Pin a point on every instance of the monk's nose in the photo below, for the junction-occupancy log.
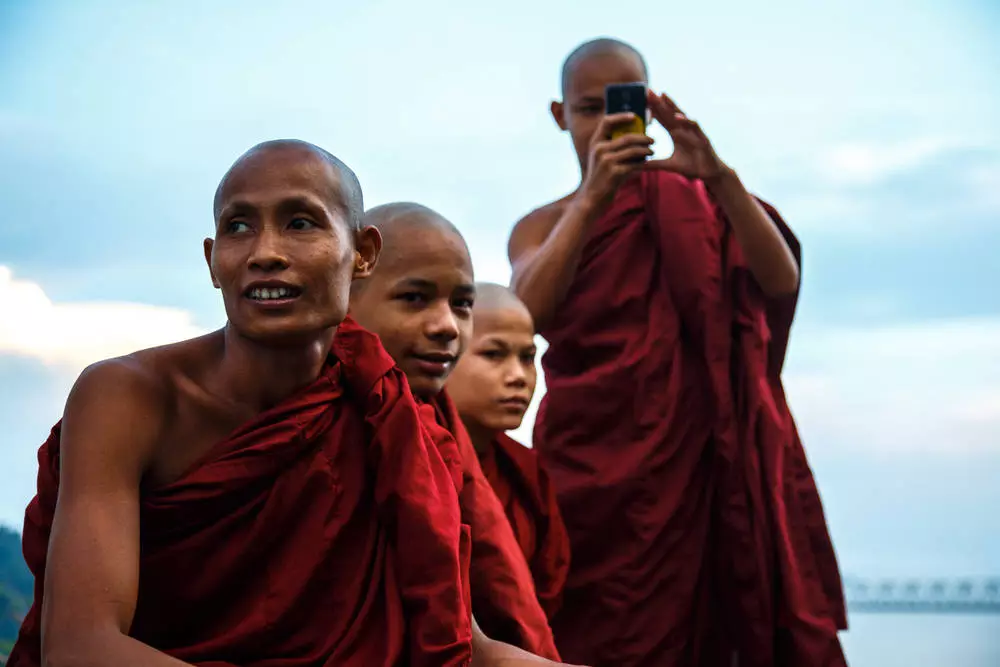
(516, 375)
(441, 321)
(267, 253)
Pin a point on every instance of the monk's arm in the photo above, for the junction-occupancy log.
(488, 652)
(544, 254)
(109, 429)
(767, 254)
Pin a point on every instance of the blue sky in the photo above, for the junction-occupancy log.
(872, 126)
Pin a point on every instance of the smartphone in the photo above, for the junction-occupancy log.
(622, 97)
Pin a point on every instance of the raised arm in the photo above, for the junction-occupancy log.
(545, 246)
(767, 254)
(111, 424)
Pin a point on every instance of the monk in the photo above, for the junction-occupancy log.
(666, 293)
(419, 301)
(491, 386)
(262, 495)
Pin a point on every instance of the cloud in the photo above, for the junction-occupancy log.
(932, 386)
(72, 335)
(914, 189)
(869, 163)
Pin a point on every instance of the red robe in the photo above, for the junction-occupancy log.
(326, 531)
(529, 500)
(695, 524)
(504, 600)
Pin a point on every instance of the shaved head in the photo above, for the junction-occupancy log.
(390, 219)
(598, 47)
(397, 223)
(351, 199)
(493, 297)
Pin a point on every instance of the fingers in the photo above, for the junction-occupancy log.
(631, 153)
(662, 100)
(631, 139)
(612, 121)
(627, 148)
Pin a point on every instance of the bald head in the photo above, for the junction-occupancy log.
(598, 47)
(491, 297)
(400, 222)
(350, 199)
(393, 219)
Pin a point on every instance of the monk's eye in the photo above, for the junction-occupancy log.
(589, 110)
(413, 298)
(528, 358)
(494, 355)
(464, 304)
(237, 227)
(301, 224)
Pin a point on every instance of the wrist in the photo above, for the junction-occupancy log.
(586, 205)
(724, 182)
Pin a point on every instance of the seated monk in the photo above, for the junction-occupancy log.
(264, 495)
(419, 301)
(666, 293)
(491, 386)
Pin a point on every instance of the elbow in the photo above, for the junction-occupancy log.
(784, 283)
(70, 649)
(540, 315)
(64, 657)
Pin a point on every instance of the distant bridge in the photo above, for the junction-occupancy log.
(980, 596)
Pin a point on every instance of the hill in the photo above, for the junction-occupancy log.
(16, 584)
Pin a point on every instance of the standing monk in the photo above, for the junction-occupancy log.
(264, 495)
(666, 293)
(492, 387)
(419, 301)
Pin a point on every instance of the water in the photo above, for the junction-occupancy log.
(923, 640)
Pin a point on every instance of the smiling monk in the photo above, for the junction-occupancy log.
(265, 495)
(419, 301)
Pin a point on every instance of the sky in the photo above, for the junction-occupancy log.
(872, 126)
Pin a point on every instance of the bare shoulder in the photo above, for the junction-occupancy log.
(531, 231)
(120, 407)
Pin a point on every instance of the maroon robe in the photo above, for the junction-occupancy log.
(529, 500)
(695, 524)
(504, 600)
(325, 531)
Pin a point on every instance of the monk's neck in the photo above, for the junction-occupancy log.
(260, 376)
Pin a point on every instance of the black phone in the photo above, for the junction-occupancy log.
(622, 97)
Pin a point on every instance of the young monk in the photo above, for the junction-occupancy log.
(666, 293)
(262, 495)
(491, 386)
(419, 301)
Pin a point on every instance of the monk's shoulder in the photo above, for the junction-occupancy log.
(534, 227)
(121, 383)
(141, 386)
(115, 412)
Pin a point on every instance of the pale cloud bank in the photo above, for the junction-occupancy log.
(70, 336)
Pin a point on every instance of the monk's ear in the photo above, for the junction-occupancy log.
(209, 244)
(367, 248)
(558, 110)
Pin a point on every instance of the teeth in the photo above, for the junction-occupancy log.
(265, 293)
